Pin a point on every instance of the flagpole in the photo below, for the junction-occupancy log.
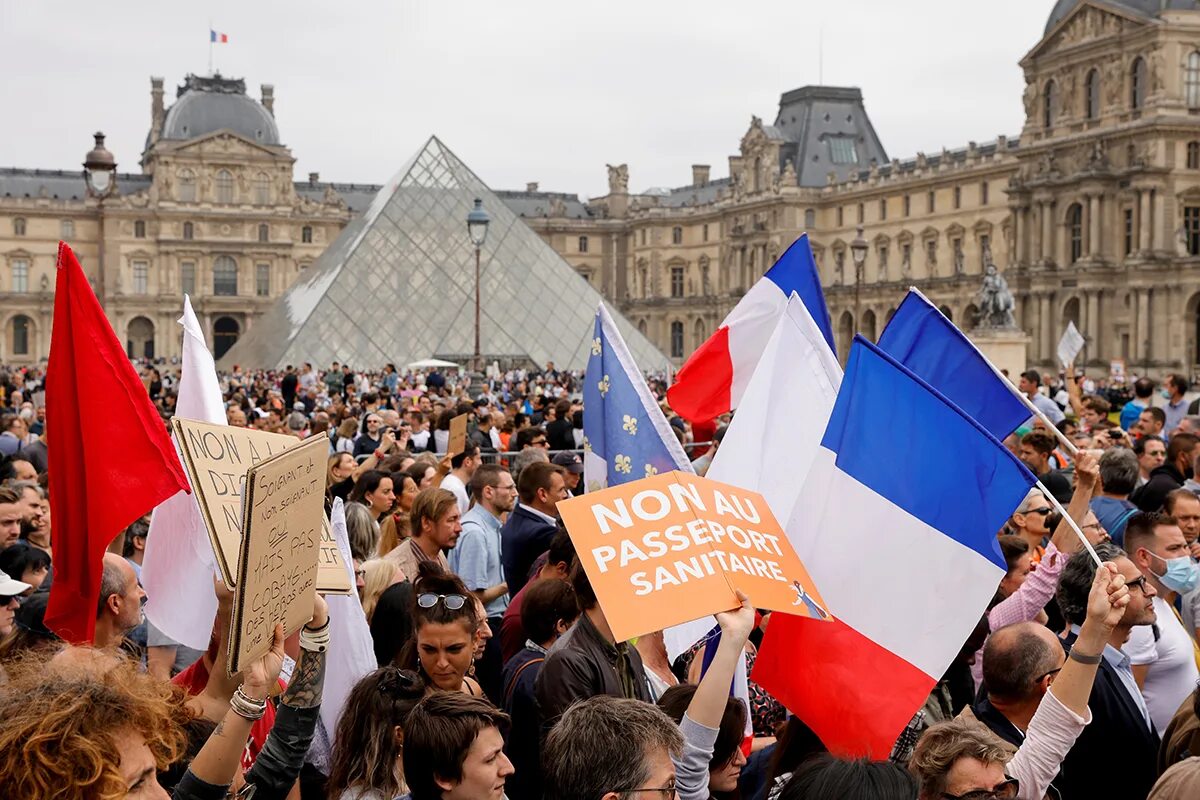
(1025, 401)
(1070, 521)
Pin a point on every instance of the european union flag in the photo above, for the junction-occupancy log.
(921, 338)
(625, 435)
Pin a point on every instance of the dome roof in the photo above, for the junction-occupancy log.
(1144, 8)
(205, 105)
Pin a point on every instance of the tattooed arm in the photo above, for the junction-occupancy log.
(218, 762)
(279, 763)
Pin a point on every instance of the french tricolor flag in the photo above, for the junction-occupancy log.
(897, 525)
(713, 380)
(219, 38)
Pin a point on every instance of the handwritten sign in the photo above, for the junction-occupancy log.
(217, 458)
(458, 435)
(675, 547)
(283, 516)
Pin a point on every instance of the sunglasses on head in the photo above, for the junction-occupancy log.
(452, 601)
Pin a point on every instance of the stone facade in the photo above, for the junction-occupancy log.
(1092, 212)
(216, 215)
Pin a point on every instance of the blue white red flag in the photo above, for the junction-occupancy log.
(921, 338)
(218, 38)
(902, 542)
(712, 381)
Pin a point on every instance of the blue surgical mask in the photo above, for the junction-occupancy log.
(1182, 574)
(1165, 394)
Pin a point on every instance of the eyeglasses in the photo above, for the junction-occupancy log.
(1043, 511)
(1038, 679)
(452, 601)
(665, 792)
(1140, 583)
(540, 443)
(1005, 791)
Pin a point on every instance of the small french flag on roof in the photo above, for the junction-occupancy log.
(219, 38)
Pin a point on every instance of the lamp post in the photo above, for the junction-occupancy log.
(858, 251)
(477, 228)
(100, 174)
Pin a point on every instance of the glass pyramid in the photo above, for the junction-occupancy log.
(398, 285)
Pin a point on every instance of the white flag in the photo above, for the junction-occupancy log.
(351, 651)
(179, 564)
(1070, 344)
(770, 445)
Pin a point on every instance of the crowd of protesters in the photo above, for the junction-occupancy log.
(498, 674)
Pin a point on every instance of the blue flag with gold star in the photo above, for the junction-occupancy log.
(625, 435)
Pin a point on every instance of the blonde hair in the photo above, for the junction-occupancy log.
(61, 724)
(947, 742)
(379, 574)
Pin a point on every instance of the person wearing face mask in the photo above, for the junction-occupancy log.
(1164, 666)
(1177, 468)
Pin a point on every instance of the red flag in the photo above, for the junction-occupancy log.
(110, 458)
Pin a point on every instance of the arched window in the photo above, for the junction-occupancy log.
(19, 226)
(583, 244)
(224, 186)
(1075, 231)
(189, 231)
(1049, 102)
(306, 234)
(187, 186)
(1137, 84)
(1091, 94)
(676, 340)
(139, 229)
(642, 327)
(698, 332)
(1193, 155)
(264, 232)
(226, 331)
(677, 235)
(1191, 79)
(262, 189)
(225, 277)
(22, 327)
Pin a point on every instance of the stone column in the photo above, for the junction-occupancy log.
(1141, 323)
(1049, 240)
(1093, 325)
(1094, 212)
(1157, 228)
(1143, 244)
(1016, 256)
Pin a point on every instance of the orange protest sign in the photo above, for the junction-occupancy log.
(676, 547)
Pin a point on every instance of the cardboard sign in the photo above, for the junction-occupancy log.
(216, 458)
(283, 516)
(674, 547)
(458, 435)
(1070, 345)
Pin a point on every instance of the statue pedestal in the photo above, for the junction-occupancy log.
(1006, 349)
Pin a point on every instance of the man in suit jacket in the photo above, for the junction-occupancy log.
(531, 526)
(1121, 729)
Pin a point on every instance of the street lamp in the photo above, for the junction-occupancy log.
(858, 251)
(100, 174)
(477, 228)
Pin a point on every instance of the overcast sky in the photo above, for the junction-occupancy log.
(521, 90)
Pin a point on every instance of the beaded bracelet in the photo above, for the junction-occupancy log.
(245, 706)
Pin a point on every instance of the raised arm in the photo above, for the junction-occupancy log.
(1087, 475)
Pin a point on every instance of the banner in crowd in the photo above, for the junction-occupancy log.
(675, 547)
(217, 458)
(283, 516)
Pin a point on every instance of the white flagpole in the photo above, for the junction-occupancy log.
(1037, 412)
(1075, 527)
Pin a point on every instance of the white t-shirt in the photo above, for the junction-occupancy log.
(1172, 676)
(455, 486)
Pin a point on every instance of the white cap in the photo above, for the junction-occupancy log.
(10, 587)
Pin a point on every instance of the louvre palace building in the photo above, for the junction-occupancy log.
(1091, 211)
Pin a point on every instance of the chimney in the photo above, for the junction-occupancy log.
(268, 98)
(156, 108)
(314, 178)
(700, 174)
(532, 186)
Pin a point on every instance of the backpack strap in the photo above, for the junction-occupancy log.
(512, 682)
